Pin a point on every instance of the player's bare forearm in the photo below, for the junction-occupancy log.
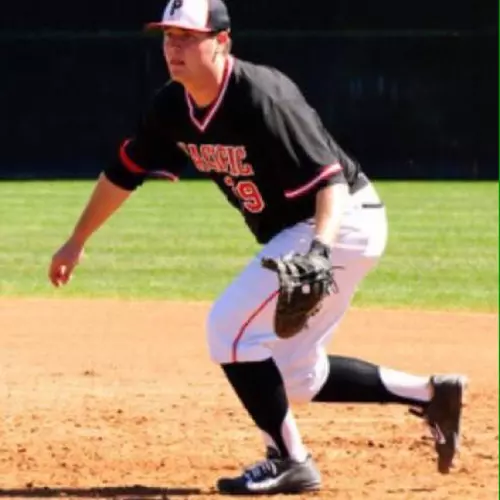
(104, 201)
(330, 203)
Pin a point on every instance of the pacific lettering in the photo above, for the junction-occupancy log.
(219, 158)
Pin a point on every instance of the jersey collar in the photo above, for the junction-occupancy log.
(210, 113)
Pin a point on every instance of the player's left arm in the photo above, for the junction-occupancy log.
(330, 203)
(318, 170)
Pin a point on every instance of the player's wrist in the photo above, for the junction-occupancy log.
(319, 247)
(78, 239)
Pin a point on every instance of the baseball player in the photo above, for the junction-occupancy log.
(319, 219)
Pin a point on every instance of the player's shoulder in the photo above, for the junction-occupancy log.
(266, 83)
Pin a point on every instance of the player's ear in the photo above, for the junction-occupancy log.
(222, 37)
(224, 41)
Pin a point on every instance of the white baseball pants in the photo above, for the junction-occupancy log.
(240, 323)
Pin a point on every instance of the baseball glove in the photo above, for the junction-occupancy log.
(304, 281)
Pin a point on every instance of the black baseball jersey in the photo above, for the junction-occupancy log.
(260, 141)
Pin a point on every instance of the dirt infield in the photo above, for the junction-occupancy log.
(119, 400)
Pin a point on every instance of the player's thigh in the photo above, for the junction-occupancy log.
(240, 323)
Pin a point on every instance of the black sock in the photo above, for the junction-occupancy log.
(355, 381)
(260, 388)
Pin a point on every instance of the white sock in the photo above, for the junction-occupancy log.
(291, 437)
(405, 385)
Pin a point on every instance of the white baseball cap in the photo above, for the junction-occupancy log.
(205, 16)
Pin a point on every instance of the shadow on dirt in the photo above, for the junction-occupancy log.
(115, 492)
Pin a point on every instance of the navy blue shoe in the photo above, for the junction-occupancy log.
(273, 476)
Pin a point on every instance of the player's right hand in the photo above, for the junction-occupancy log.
(64, 261)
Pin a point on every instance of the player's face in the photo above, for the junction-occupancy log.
(188, 53)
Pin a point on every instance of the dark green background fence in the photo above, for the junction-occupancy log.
(411, 89)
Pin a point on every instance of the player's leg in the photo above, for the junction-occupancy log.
(310, 375)
(240, 337)
(353, 380)
(361, 242)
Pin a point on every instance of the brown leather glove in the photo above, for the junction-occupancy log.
(304, 281)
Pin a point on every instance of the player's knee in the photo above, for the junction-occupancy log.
(303, 385)
(300, 393)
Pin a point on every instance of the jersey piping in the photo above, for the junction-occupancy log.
(328, 171)
(130, 165)
(201, 126)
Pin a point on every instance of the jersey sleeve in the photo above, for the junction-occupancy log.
(151, 152)
(302, 138)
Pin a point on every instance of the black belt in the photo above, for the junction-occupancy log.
(372, 205)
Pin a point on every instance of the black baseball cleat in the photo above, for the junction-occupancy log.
(275, 475)
(443, 415)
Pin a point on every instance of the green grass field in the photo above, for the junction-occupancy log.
(182, 241)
